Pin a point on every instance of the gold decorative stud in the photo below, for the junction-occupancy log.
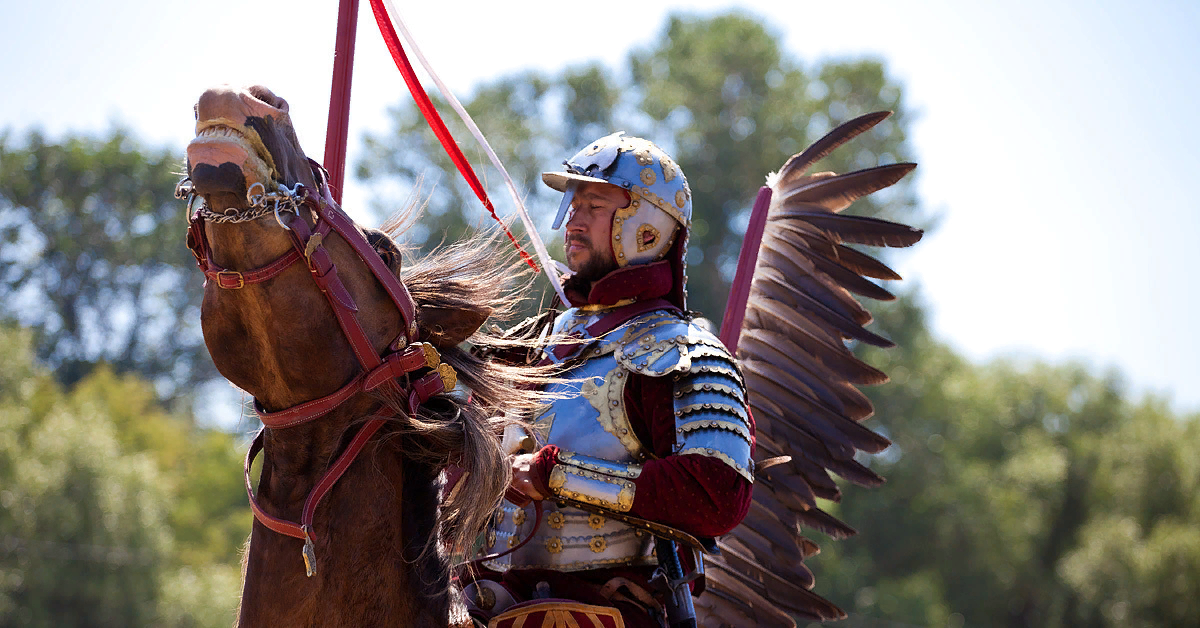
(648, 176)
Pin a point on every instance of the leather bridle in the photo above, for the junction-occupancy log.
(403, 357)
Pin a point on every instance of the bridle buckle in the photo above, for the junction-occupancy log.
(432, 357)
(237, 276)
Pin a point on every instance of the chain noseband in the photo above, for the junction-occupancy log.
(404, 356)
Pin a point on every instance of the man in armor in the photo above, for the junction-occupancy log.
(649, 436)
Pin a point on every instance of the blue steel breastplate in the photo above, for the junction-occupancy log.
(589, 418)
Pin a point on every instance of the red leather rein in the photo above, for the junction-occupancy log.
(404, 356)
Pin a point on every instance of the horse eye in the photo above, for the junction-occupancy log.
(196, 111)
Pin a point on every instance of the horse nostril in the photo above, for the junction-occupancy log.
(267, 97)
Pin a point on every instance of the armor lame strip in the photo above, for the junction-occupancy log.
(711, 418)
(682, 411)
(607, 467)
(732, 426)
(592, 488)
(701, 386)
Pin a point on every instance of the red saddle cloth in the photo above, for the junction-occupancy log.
(557, 613)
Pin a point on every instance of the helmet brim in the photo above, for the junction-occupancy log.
(559, 180)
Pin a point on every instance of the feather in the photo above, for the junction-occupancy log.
(838, 192)
(803, 236)
(815, 476)
(774, 285)
(837, 394)
(855, 229)
(798, 164)
(771, 315)
(797, 574)
(864, 264)
(817, 424)
(801, 380)
(846, 278)
(799, 601)
(803, 275)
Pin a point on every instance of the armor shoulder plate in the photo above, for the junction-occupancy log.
(661, 343)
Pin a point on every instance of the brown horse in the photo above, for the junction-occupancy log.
(379, 544)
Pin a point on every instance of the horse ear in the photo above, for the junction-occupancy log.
(385, 247)
(443, 327)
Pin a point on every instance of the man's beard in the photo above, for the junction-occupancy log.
(595, 268)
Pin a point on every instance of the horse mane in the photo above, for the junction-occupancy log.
(477, 274)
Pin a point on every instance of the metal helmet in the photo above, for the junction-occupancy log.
(660, 203)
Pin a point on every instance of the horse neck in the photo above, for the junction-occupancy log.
(370, 531)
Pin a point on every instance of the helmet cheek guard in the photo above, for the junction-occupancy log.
(661, 201)
(642, 233)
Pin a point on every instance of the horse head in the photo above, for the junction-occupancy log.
(274, 339)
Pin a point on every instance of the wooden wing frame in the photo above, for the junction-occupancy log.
(802, 382)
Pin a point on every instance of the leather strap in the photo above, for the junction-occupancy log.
(331, 476)
(331, 213)
(233, 279)
(413, 357)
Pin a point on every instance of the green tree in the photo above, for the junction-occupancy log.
(114, 512)
(1019, 494)
(93, 259)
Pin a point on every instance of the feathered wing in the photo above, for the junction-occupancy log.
(802, 383)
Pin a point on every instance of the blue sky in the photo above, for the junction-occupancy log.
(1056, 140)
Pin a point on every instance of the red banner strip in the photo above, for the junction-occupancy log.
(435, 121)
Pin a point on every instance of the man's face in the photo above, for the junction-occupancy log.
(588, 243)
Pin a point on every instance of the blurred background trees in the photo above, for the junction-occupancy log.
(1019, 494)
(91, 262)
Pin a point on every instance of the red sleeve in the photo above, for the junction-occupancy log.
(697, 494)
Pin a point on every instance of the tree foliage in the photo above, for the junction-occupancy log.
(92, 259)
(1019, 494)
(114, 512)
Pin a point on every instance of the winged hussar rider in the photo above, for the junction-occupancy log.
(651, 430)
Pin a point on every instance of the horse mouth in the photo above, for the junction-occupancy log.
(228, 157)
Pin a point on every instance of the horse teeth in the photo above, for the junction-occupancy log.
(220, 131)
